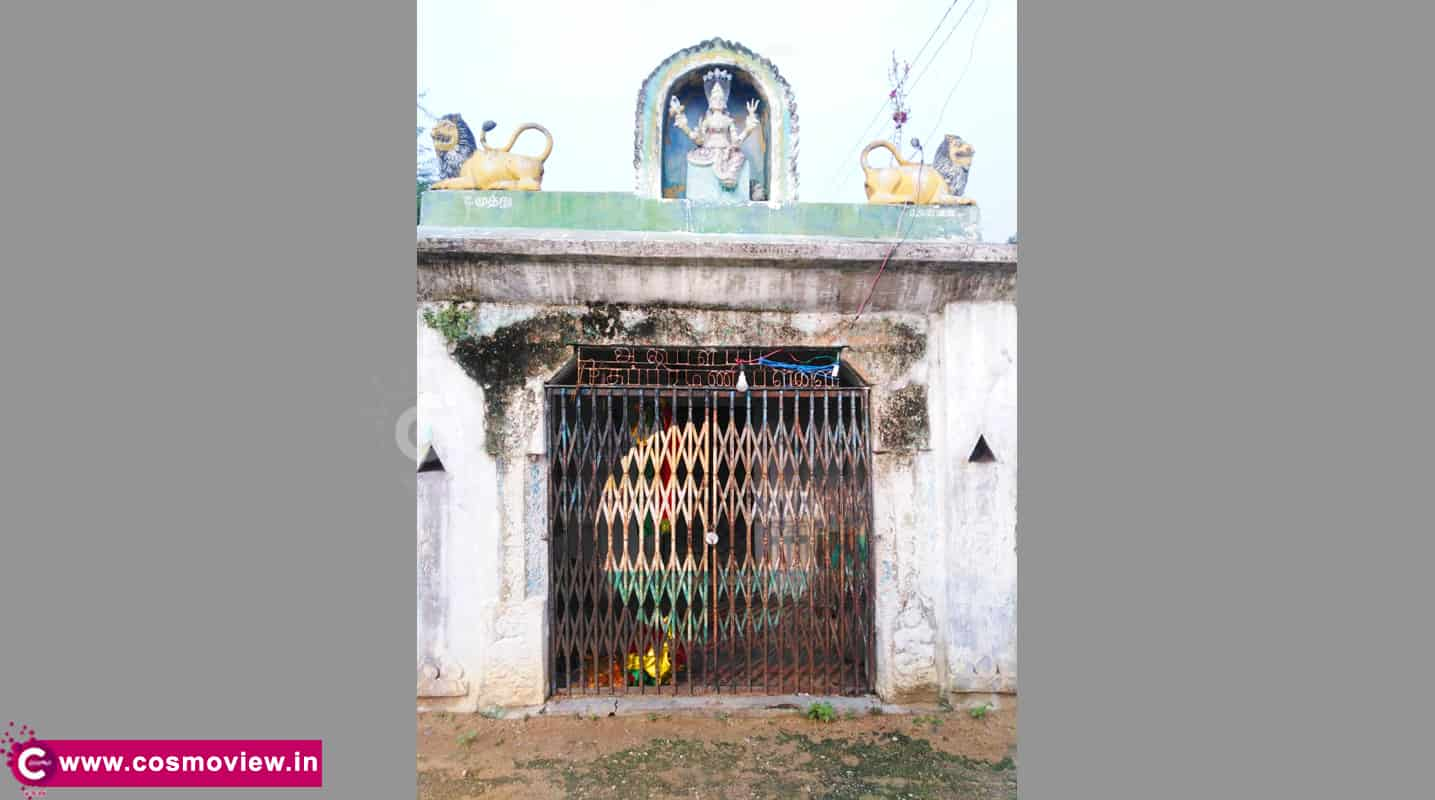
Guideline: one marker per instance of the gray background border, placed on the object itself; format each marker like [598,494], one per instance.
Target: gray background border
[208,318]
[206,518]
[1223,350]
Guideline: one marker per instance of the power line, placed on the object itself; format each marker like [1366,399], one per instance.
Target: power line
[950,33]
[970,55]
[936,28]
[860,139]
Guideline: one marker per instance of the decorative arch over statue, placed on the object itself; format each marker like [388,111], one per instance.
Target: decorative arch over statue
[663,151]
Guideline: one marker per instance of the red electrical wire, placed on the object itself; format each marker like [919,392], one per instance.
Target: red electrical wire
[895,245]
[759,358]
[873,288]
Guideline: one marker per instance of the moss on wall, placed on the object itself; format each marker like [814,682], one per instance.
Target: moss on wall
[902,419]
[906,344]
[504,360]
[513,354]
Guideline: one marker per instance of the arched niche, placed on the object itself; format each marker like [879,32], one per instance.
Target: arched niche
[660,150]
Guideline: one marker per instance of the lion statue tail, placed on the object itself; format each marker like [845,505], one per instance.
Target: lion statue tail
[880,143]
[536,127]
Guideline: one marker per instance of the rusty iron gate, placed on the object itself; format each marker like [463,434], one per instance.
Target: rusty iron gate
[706,538]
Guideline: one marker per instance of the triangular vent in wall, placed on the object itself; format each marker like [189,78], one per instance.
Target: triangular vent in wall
[431,462]
[981,454]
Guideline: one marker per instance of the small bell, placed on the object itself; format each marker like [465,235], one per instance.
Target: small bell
[741,380]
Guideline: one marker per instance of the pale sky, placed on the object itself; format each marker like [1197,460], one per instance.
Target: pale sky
[576,67]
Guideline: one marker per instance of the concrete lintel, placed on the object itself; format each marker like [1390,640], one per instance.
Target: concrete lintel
[624,246]
[769,273]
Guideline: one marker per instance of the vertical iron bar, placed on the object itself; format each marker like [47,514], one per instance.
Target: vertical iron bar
[710,550]
[589,618]
[555,490]
[762,558]
[871,578]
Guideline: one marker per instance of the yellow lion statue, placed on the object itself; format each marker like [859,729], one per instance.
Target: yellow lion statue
[465,167]
[939,183]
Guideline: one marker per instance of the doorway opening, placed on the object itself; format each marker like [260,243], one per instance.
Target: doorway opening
[705,538]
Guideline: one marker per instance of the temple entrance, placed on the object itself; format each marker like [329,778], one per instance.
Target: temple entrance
[710,522]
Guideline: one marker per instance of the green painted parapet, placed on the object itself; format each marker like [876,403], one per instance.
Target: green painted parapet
[622,211]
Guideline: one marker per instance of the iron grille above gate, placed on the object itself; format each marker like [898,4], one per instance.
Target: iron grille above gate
[708,539]
[706,367]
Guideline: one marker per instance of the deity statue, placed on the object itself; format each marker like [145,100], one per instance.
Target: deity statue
[718,140]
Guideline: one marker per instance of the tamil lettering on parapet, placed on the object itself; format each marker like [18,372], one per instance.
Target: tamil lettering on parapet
[934,212]
[487,201]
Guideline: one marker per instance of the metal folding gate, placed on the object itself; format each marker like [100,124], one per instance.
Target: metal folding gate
[706,538]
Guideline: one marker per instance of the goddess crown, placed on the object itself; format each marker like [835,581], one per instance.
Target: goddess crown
[717,77]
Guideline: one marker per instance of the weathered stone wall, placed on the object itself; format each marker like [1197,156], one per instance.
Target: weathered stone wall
[977,399]
[941,360]
[464,565]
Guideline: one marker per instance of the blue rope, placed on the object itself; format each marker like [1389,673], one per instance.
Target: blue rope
[806,369]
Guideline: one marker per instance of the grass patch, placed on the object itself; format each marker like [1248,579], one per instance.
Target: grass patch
[884,764]
[821,712]
[897,765]
[452,320]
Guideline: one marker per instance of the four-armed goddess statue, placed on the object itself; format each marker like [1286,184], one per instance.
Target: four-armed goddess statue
[718,140]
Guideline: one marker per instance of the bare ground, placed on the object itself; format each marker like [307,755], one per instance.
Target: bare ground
[935,754]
